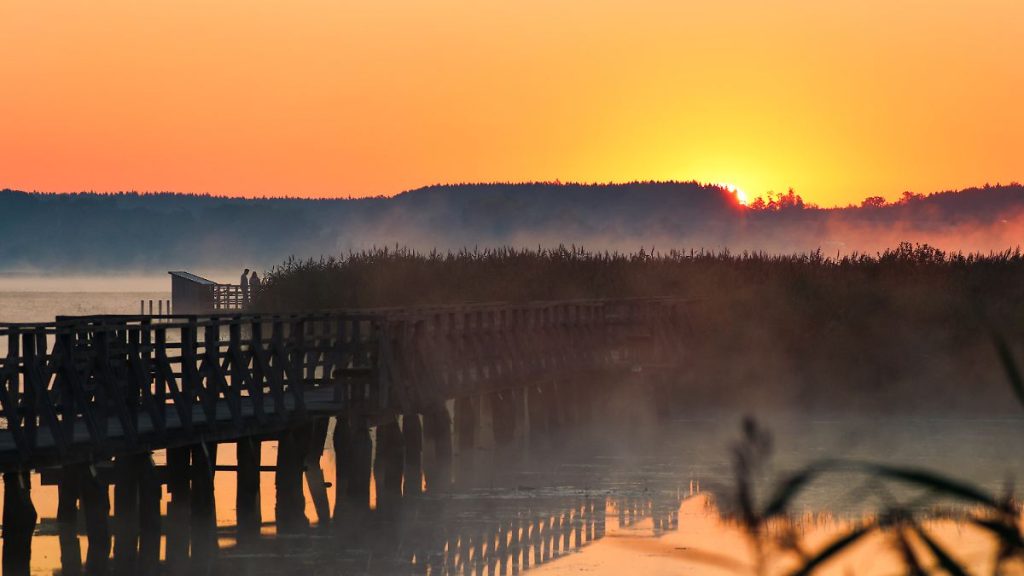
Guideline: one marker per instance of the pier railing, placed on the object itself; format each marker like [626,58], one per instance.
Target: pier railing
[227,297]
[81,388]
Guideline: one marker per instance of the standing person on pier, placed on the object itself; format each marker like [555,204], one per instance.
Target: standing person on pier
[254,285]
[244,283]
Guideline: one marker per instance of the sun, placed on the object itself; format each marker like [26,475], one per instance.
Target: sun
[741,196]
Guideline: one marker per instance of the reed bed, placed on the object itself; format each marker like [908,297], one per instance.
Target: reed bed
[905,329]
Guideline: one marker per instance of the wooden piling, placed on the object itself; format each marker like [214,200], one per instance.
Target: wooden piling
[466,416]
[19,522]
[437,429]
[96,506]
[203,505]
[412,434]
[514,545]
[179,484]
[520,417]
[67,521]
[315,474]
[553,408]
[247,498]
[388,464]
[354,454]
[150,494]
[126,511]
[537,415]
[503,419]
[361,457]
[343,460]
[290,504]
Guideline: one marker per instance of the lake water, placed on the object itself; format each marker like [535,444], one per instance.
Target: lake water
[637,499]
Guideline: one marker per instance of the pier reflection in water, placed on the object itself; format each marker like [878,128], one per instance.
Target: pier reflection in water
[525,509]
[518,512]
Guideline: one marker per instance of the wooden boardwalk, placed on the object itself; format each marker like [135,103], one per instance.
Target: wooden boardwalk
[83,388]
[81,391]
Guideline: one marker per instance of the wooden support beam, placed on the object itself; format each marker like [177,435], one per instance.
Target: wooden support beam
[96,506]
[203,505]
[343,460]
[290,505]
[150,494]
[314,473]
[503,418]
[437,430]
[412,433]
[19,522]
[388,465]
[126,515]
[68,491]
[179,484]
[360,458]
[466,420]
[536,404]
[515,547]
[553,407]
[247,498]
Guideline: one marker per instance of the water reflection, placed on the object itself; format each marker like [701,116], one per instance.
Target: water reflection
[525,510]
[500,529]
[485,533]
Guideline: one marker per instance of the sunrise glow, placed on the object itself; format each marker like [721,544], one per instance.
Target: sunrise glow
[838,100]
[741,196]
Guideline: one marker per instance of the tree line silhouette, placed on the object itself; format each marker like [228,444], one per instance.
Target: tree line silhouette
[84,232]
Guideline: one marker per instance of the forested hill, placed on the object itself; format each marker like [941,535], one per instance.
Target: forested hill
[154,232]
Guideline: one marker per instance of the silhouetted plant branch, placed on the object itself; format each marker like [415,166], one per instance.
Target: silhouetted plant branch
[999,516]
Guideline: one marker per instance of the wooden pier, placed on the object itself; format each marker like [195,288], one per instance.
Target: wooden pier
[87,400]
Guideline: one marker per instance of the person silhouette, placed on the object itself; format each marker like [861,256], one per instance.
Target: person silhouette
[245,287]
[255,284]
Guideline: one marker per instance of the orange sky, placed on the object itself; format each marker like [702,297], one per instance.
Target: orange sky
[839,99]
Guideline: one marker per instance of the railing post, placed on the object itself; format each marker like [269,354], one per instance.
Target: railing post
[278,370]
[29,398]
[259,367]
[297,378]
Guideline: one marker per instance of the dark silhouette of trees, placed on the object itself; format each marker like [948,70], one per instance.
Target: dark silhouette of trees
[134,231]
[873,202]
[789,200]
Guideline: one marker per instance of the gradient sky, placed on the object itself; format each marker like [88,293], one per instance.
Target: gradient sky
[838,99]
